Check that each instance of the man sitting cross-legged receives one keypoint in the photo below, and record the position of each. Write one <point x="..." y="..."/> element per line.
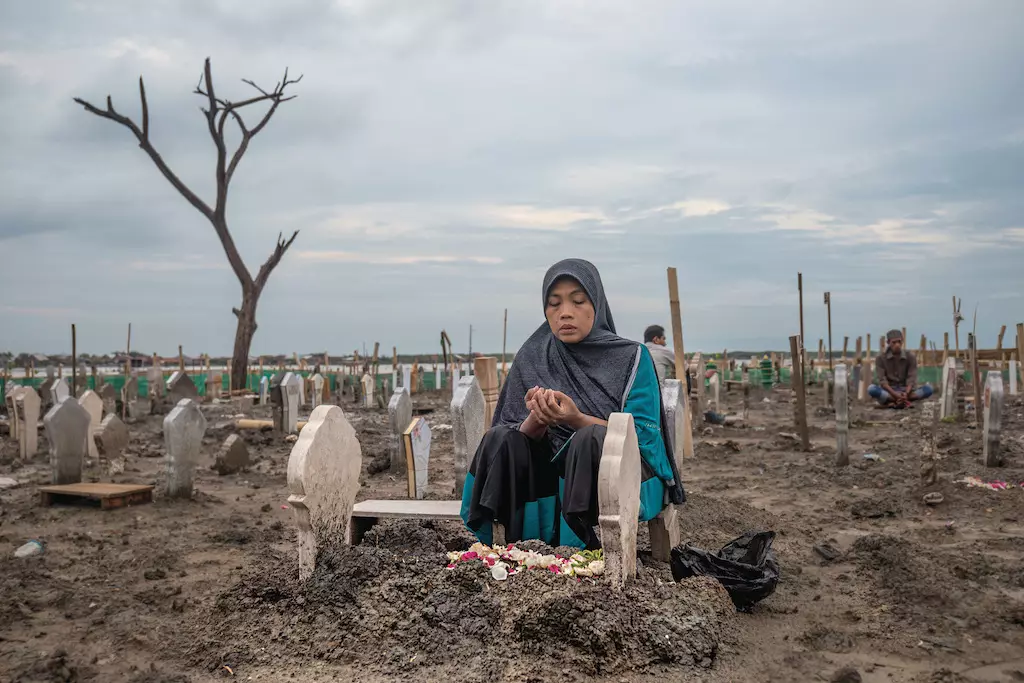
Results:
<point x="897" y="375"/>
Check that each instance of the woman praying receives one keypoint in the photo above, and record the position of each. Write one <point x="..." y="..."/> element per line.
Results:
<point x="536" y="469"/>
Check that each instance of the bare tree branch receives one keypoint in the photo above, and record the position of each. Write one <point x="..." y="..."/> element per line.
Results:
<point x="275" y="258"/>
<point x="145" y="109"/>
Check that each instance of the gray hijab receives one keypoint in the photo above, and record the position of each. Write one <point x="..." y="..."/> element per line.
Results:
<point x="594" y="373"/>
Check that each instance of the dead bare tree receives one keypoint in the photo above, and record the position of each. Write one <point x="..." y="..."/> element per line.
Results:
<point x="217" y="111"/>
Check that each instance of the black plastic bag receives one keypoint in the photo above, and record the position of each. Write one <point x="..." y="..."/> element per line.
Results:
<point x="746" y="567"/>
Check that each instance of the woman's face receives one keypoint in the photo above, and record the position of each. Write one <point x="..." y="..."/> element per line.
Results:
<point x="569" y="311"/>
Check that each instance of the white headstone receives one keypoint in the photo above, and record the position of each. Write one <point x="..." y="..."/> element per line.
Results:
<point x="323" y="479"/>
<point x="455" y="374"/>
<point x="842" y="404"/>
<point x="302" y="389"/>
<point x="28" y="406"/>
<point x="618" y="495"/>
<point x="291" y="386"/>
<point x="154" y="382"/>
<point x="60" y="390"/>
<point x="714" y="385"/>
<point x="394" y="379"/>
<point x="399" y="417"/>
<point x="1013" y="377"/>
<point x="67" y="429"/>
<point x="418" y="452"/>
<point x="468" y="426"/>
<point x="180" y="386"/>
<point x="184" y="427"/>
<point x="407" y="377"/>
<point x="949" y="389"/>
<point x="993" y="401"/>
<point x="264" y="390"/>
<point x="664" y="529"/>
<point x="93" y="405"/>
<point x="367" y="391"/>
<point x="437" y="377"/>
<point x="318" y="389"/>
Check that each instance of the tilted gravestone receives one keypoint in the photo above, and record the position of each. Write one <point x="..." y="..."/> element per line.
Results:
<point x="468" y="426"/>
<point x="842" y="403"/>
<point x="46" y="391"/>
<point x="130" y="398"/>
<point x="416" y="442"/>
<point x="93" y="405"/>
<point x="60" y="390"/>
<point x="112" y="437"/>
<point x="109" y="395"/>
<point x="318" y="390"/>
<point x="180" y="386"/>
<point x="67" y="429"/>
<point x="399" y="417"/>
<point x="323" y="479"/>
<point x="232" y="457"/>
<point x="618" y="495"/>
<point x="993" y="401"/>
<point x="264" y="390"/>
<point x="291" y="386"/>
<point x="184" y="427"/>
<point x="664" y="529"/>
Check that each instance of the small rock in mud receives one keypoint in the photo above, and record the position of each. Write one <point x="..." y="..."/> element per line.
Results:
<point x="847" y="674"/>
<point x="828" y="552"/>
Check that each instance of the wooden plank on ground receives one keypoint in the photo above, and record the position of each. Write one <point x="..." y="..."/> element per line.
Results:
<point x="107" y="496"/>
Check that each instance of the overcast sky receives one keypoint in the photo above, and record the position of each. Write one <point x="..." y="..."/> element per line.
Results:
<point x="441" y="155"/>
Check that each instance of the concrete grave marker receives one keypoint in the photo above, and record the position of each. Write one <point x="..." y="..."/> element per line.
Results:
<point x="154" y="382"/>
<point x="407" y="377"/>
<point x="28" y="407"/>
<point x="417" y="450"/>
<point x="60" y="390"/>
<point x="109" y="395"/>
<point x="714" y="386"/>
<point x="93" y="405"/>
<point x="130" y="397"/>
<point x="842" y="404"/>
<point x="232" y="457"/>
<point x="318" y="389"/>
<point x="112" y="437"/>
<point x="1013" y="377"/>
<point x="368" y="388"/>
<point x="949" y="389"/>
<point x="399" y="417"/>
<point x="214" y="385"/>
<point x="180" y="386"/>
<point x="437" y="377"/>
<point x="618" y="493"/>
<point x="264" y="390"/>
<point x="468" y="426"/>
<point x="11" y="390"/>
<point x="323" y="479"/>
<point x="664" y="529"/>
<point x="67" y="429"/>
<point x="993" y="401"/>
<point x="455" y="375"/>
<point x="184" y="427"/>
<point x="291" y="385"/>
<point x="46" y="391"/>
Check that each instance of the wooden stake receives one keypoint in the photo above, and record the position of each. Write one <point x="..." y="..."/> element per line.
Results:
<point x="979" y="409"/>
<point x="846" y="345"/>
<point x="800" y="288"/>
<point x="128" y="352"/>
<point x="1020" y="348"/>
<point x="181" y="359"/>
<point x="956" y="325"/>
<point x="828" y="305"/>
<point x="504" y="341"/>
<point x="74" y="363"/>
<point x="677" y="344"/>
<point x="999" y="344"/>
<point x="800" y="408"/>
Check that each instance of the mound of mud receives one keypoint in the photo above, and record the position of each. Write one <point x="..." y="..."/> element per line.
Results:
<point x="392" y="607"/>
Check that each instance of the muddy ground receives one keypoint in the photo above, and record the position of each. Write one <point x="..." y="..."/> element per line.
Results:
<point x="206" y="589"/>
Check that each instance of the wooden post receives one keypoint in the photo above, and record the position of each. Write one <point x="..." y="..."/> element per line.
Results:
<point x="846" y="345"/>
<point x="999" y="346"/>
<point x="828" y="305"/>
<point x="181" y="359"/>
<point x="800" y="289"/>
<point x="677" y="344"/>
<point x="945" y="348"/>
<point x="956" y="325"/>
<point x="74" y="364"/>
<point x="924" y="349"/>
<point x="504" y="340"/>
<point x="800" y="405"/>
<point x="972" y="344"/>
<point x="1020" y="347"/>
<point x="128" y="352"/>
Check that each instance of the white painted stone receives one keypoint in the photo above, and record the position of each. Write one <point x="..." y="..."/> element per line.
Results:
<point x="367" y="391"/>
<point x="715" y="386"/>
<point x="318" y="389"/>
<point x="455" y="374"/>
<point x="618" y="493"/>
<point x="291" y="386"/>
<point x="399" y="417"/>
<point x="28" y="406"/>
<point x="468" y="426"/>
<point x="184" y="427"/>
<point x="264" y="390"/>
<point x="407" y="377"/>
<point x="93" y="405"/>
<point x="302" y="389"/>
<point x="664" y="529"/>
<point x="60" y="390"/>
<point x="1013" y="377"/>
<point x="994" y="400"/>
<point x="949" y="389"/>
<point x="323" y="479"/>
<point x="67" y="429"/>
<point x="417" y="447"/>
<point x="842" y="404"/>
<point x="180" y="386"/>
<point x="437" y="377"/>
<point x="394" y="379"/>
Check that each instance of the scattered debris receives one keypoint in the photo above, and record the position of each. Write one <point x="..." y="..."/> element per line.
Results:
<point x="933" y="498"/>
<point x="874" y="457"/>
<point x="976" y="482"/>
<point x="828" y="552"/>
<point x="31" y="548"/>
<point x="8" y="483"/>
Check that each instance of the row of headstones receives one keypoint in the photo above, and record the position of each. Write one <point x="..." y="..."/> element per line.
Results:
<point x="993" y="401"/>
<point x="324" y="468"/>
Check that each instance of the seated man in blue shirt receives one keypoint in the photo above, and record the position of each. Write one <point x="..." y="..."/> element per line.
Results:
<point x="897" y="375"/>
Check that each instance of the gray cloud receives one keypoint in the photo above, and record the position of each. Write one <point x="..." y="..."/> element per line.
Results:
<point x="441" y="155"/>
